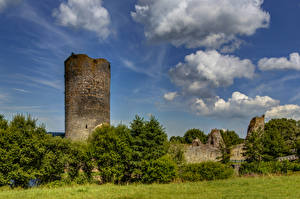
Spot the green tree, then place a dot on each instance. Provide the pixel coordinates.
(3, 123)
(149, 142)
(280, 138)
(254, 147)
(21, 151)
(231, 138)
(149, 139)
(177, 139)
(110, 148)
(192, 134)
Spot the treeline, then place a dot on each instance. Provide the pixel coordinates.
(230, 138)
(138, 153)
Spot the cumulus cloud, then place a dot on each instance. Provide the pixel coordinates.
(239, 105)
(86, 14)
(280, 63)
(287, 111)
(205, 23)
(6, 3)
(170, 96)
(206, 70)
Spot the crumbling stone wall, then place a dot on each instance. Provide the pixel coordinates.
(257, 123)
(199, 152)
(215, 139)
(236, 153)
(87, 95)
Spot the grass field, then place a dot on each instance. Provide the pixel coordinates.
(251, 187)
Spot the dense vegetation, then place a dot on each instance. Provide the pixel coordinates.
(28, 153)
(280, 138)
(138, 153)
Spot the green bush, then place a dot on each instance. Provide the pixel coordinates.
(110, 148)
(28, 153)
(162, 170)
(176, 152)
(205, 171)
(271, 167)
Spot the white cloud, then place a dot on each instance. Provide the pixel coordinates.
(287, 111)
(239, 105)
(170, 96)
(5, 3)
(206, 70)
(200, 23)
(86, 14)
(280, 63)
(21, 90)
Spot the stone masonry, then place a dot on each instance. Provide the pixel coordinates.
(199, 152)
(256, 124)
(87, 95)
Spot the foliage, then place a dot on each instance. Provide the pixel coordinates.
(231, 138)
(149, 139)
(268, 167)
(162, 170)
(280, 138)
(27, 154)
(3, 123)
(149, 142)
(176, 152)
(205, 171)
(21, 151)
(225, 154)
(177, 139)
(254, 147)
(298, 147)
(110, 148)
(192, 134)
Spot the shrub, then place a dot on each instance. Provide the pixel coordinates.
(268, 167)
(162, 170)
(205, 171)
(110, 148)
(176, 152)
(30, 156)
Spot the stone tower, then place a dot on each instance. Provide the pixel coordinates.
(87, 95)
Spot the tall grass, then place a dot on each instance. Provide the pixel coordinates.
(247, 187)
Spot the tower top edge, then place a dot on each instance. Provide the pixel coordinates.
(84, 56)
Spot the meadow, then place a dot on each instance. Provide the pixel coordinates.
(235, 188)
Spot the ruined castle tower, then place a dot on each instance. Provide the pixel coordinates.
(87, 95)
(256, 124)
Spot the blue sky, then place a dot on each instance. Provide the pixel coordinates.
(191, 63)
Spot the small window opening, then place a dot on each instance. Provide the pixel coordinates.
(86, 126)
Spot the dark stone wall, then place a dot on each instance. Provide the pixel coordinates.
(87, 95)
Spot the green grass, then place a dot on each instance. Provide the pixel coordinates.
(251, 187)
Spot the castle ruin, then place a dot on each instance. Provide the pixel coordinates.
(211, 151)
(87, 95)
